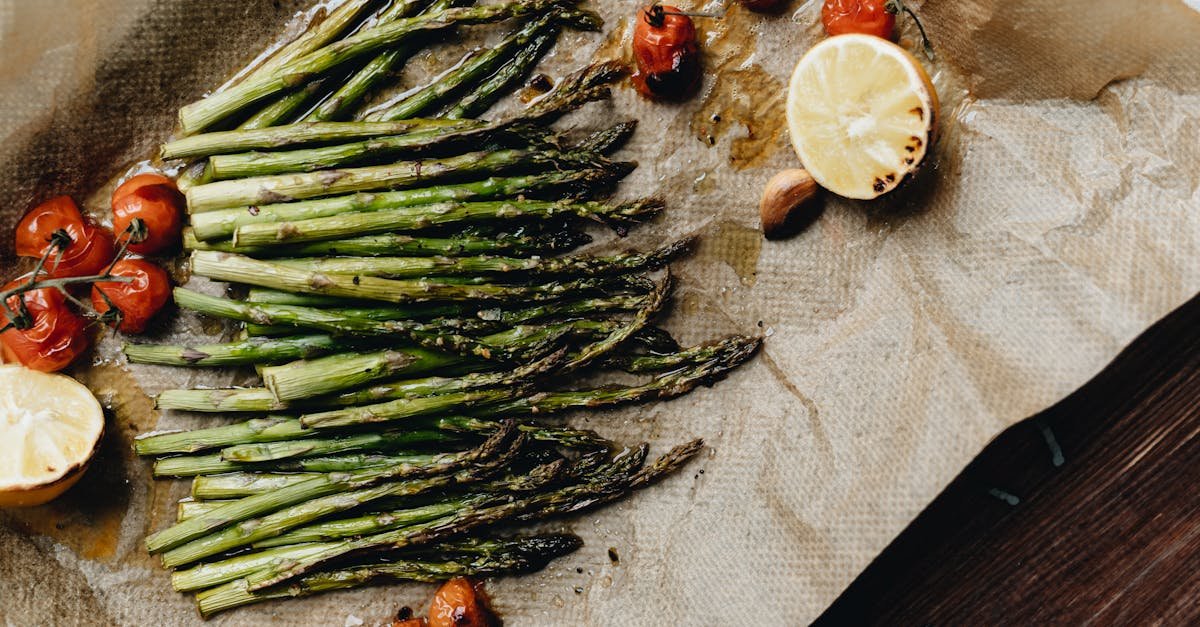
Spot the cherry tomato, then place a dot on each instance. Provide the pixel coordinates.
(36, 228)
(154, 200)
(137, 300)
(90, 250)
(55, 339)
(868, 17)
(458, 603)
(666, 54)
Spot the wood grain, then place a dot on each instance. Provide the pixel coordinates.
(1088, 513)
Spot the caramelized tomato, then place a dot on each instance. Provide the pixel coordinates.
(460, 603)
(867, 17)
(137, 300)
(666, 54)
(89, 251)
(153, 199)
(55, 337)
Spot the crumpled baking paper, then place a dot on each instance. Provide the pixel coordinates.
(1057, 220)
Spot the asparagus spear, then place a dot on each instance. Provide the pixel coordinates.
(416, 267)
(257, 529)
(372, 150)
(215, 573)
(237, 593)
(511, 73)
(498, 447)
(416, 218)
(570, 182)
(240, 485)
(308, 378)
(300, 134)
(475, 67)
(204, 113)
(246, 352)
(347, 97)
(614, 480)
(263, 190)
(408, 245)
(287, 106)
(245, 270)
(346, 320)
(197, 465)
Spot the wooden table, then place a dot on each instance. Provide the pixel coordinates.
(1086, 513)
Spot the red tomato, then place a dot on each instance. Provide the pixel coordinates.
(91, 248)
(35, 229)
(137, 300)
(56, 337)
(458, 603)
(868, 17)
(666, 54)
(154, 200)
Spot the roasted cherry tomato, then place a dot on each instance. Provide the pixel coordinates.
(460, 603)
(154, 200)
(867, 17)
(36, 229)
(137, 300)
(89, 251)
(666, 54)
(55, 337)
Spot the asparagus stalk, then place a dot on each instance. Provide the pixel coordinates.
(269, 429)
(416, 267)
(245, 270)
(614, 480)
(366, 524)
(190, 508)
(264, 190)
(324, 30)
(287, 106)
(351, 320)
(372, 150)
(474, 68)
(491, 562)
(411, 246)
(499, 447)
(246, 352)
(216, 573)
(510, 74)
(204, 113)
(344, 225)
(215, 464)
(308, 378)
(570, 182)
(239, 485)
(301, 134)
(347, 97)
(257, 529)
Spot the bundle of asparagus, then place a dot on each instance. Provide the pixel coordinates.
(403, 315)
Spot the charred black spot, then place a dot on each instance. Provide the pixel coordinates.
(879, 185)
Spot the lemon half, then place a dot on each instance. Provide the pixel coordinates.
(861, 112)
(50, 427)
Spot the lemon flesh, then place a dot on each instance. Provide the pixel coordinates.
(50, 426)
(861, 112)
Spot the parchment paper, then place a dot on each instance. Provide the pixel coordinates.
(1058, 220)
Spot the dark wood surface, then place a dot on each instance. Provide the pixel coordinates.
(1088, 513)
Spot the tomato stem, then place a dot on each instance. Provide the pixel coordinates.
(897, 7)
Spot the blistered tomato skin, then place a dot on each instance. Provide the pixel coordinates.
(867, 17)
(458, 603)
(666, 54)
(90, 250)
(153, 199)
(137, 300)
(56, 337)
